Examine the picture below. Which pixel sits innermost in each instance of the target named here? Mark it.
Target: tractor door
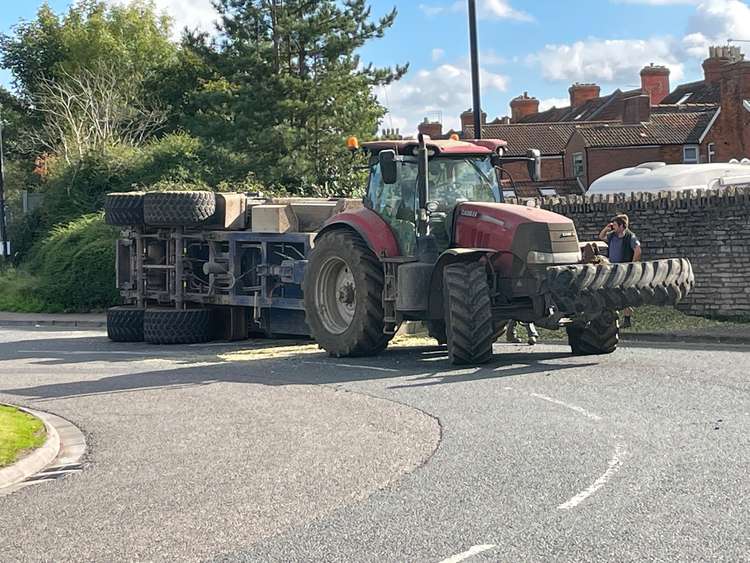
(397, 203)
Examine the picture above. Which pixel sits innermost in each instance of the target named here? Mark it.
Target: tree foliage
(284, 85)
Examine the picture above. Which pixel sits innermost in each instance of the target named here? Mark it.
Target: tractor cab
(456, 172)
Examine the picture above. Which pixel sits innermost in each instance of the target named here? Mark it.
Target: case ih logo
(469, 213)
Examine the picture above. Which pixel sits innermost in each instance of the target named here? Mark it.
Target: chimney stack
(637, 109)
(467, 120)
(717, 58)
(521, 106)
(655, 82)
(581, 93)
(432, 128)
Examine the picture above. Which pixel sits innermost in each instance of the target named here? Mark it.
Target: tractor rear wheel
(468, 313)
(599, 336)
(343, 292)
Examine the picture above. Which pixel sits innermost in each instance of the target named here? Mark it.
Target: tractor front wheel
(468, 313)
(343, 291)
(599, 336)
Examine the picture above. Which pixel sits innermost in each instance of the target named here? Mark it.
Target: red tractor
(435, 243)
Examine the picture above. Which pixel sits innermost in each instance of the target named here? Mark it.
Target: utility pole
(475, 69)
(3, 229)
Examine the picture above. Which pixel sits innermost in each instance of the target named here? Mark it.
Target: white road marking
(614, 466)
(580, 410)
(354, 366)
(87, 352)
(470, 553)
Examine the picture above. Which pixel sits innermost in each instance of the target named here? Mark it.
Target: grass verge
(19, 434)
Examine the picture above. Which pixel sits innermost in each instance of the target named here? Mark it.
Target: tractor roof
(441, 146)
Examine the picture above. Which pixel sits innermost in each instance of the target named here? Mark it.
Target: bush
(75, 266)
(18, 292)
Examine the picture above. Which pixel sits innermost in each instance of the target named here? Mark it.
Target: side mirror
(534, 164)
(388, 171)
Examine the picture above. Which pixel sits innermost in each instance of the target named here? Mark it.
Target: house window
(578, 164)
(711, 152)
(690, 154)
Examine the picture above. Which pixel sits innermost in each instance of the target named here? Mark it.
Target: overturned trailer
(195, 266)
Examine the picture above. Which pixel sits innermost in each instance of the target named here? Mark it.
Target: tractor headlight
(550, 258)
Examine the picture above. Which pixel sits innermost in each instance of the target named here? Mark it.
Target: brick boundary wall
(710, 227)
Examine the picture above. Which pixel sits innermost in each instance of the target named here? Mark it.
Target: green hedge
(75, 266)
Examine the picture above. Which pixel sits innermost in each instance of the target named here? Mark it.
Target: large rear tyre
(176, 209)
(174, 326)
(468, 313)
(125, 324)
(123, 209)
(599, 336)
(343, 292)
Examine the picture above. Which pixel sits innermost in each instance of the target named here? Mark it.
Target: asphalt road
(215, 453)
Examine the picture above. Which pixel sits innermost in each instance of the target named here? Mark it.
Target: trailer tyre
(599, 336)
(176, 209)
(589, 288)
(468, 313)
(343, 292)
(125, 324)
(173, 326)
(123, 209)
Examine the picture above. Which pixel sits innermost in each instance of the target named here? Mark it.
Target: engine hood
(514, 229)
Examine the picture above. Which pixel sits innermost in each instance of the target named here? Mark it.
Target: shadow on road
(407, 366)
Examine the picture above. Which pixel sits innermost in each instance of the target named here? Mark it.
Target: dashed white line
(470, 553)
(614, 466)
(576, 408)
(352, 366)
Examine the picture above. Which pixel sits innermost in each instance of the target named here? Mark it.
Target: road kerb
(36, 460)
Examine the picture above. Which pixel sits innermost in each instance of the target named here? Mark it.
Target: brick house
(703, 121)
(670, 134)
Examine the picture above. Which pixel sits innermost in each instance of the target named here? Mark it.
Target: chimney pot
(521, 106)
(581, 93)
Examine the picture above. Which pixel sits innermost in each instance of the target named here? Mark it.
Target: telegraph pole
(3, 229)
(475, 69)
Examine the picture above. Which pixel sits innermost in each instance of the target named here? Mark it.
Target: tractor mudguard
(370, 226)
(450, 256)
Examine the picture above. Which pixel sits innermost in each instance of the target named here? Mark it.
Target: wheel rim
(335, 295)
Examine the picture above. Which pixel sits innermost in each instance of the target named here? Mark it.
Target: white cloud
(492, 9)
(549, 103)
(445, 89)
(657, 2)
(607, 60)
(714, 22)
(193, 14)
(502, 9)
(437, 54)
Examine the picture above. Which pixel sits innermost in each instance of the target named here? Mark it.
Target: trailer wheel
(589, 288)
(599, 336)
(123, 209)
(343, 292)
(125, 324)
(174, 326)
(468, 313)
(176, 209)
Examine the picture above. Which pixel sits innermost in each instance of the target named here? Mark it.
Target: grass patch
(19, 433)
(17, 292)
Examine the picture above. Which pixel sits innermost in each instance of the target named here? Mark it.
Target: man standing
(624, 246)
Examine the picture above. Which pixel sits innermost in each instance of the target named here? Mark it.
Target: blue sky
(540, 47)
